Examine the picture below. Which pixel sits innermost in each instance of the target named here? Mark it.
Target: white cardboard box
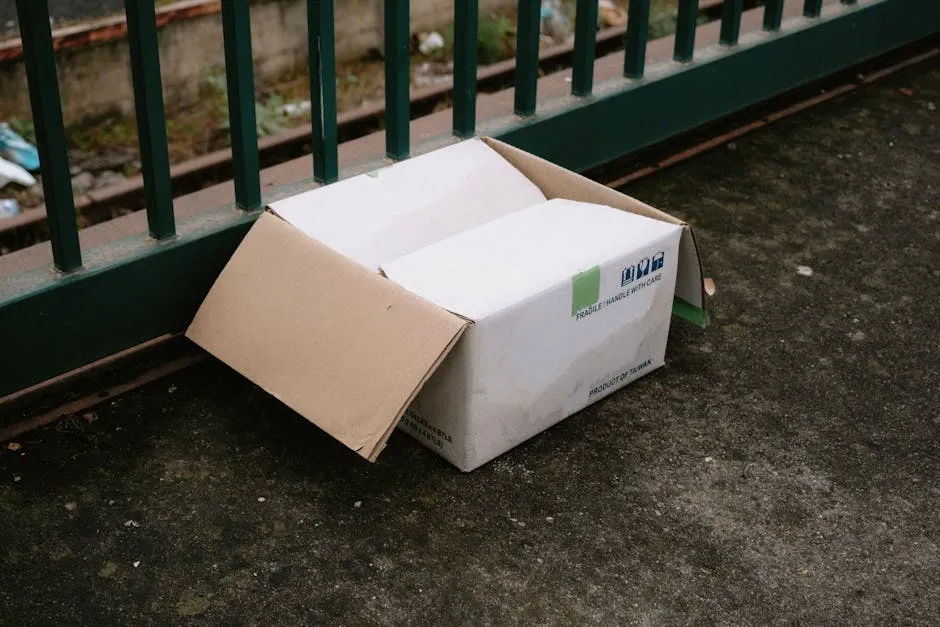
(557, 324)
(483, 312)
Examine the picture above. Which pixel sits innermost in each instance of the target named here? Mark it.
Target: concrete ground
(783, 467)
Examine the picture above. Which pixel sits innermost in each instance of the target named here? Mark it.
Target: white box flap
(377, 217)
(342, 346)
(501, 263)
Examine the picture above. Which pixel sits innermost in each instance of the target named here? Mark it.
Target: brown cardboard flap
(557, 182)
(342, 346)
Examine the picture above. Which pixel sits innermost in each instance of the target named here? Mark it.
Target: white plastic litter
(9, 208)
(295, 109)
(12, 173)
(431, 43)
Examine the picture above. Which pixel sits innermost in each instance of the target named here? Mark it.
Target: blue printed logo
(626, 277)
(646, 265)
(659, 260)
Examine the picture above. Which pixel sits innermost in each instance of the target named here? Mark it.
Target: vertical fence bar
(397, 79)
(585, 47)
(731, 21)
(638, 19)
(812, 8)
(151, 117)
(239, 75)
(466, 29)
(773, 15)
(527, 57)
(322, 68)
(39, 56)
(685, 30)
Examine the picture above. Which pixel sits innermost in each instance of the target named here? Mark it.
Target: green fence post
(466, 29)
(685, 30)
(36, 35)
(239, 75)
(638, 20)
(322, 69)
(585, 48)
(812, 8)
(527, 57)
(731, 21)
(151, 117)
(773, 15)
(397, 79)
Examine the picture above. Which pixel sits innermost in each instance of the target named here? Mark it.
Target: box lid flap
(377, 217)
(556, 182)
(344, 347)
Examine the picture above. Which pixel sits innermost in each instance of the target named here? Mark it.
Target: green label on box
(585, 289)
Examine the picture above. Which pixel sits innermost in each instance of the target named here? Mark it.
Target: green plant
(269, 115)
(24, 128)
(213, 84)
(662, 20)
(495, 41)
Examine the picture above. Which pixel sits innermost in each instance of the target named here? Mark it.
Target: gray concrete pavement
(783, 467)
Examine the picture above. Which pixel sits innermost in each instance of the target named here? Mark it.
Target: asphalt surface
(783, 467)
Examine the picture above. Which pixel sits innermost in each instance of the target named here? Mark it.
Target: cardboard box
(446, 290)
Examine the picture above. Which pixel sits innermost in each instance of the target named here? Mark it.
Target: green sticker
(585, 289)
(689, 312)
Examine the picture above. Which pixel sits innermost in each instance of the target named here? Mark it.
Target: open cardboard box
(445, 290)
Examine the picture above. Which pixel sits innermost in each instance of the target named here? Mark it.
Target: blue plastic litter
(554, 23)
(9, 208)
(16, 149)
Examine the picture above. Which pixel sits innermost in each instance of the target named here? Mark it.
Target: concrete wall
(95, 79)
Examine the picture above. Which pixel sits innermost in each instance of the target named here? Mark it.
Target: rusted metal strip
(112, 28)
(89, 401)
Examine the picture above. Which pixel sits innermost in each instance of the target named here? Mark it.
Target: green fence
(98, 302)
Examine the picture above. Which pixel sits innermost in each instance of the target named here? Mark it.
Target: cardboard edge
(380, 444)
(466, 319)
(521, 159)
(518, 158)
(703, 295)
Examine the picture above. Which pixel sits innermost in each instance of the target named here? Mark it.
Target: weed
(130, 169)
(24, 128)
(495, 40)
(269, 115)
(104, 136)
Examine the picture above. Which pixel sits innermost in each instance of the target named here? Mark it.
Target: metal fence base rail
(105, 300)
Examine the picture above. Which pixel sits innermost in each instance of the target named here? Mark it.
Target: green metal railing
(101, 301)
